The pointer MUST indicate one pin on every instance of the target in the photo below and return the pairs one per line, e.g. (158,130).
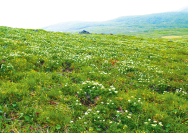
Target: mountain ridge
(185,9)
(127,24)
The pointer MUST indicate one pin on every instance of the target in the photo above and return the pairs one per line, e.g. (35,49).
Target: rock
(84,32)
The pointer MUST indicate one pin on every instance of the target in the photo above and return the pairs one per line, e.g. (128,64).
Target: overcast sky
(40,13)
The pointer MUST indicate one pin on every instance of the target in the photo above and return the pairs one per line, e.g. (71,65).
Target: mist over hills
(184,9)
(127,24)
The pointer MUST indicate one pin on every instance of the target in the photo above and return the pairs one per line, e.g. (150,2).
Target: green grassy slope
(128,24)
(63,82)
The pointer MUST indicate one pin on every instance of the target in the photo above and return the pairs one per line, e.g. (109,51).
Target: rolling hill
(184,10)
(131,25)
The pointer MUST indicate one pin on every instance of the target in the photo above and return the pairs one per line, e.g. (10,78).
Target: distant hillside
(128,24)
(184,10)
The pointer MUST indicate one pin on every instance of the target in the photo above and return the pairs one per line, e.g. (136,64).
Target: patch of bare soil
(169,37)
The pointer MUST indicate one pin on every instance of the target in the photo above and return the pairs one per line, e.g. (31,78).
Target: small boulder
(84,32)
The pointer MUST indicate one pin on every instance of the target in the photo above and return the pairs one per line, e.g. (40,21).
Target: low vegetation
(63,82)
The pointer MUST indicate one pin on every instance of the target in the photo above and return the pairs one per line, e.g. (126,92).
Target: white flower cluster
(77,103)
(87,112)
(94,83)
(154,123)
(139,100)
(102,72)
(129,116)
(165,92)
(112,89)
(6,67)
(181,91)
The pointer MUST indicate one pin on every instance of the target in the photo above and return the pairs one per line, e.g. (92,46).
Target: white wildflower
(89,109)
(154,125)
(155,121)
(160,123)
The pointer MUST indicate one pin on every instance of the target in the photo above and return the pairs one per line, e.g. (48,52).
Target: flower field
(79,83)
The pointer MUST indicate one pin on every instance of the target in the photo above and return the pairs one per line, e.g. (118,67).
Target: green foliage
(63,82)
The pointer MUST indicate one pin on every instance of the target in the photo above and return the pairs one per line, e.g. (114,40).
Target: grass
(63,82)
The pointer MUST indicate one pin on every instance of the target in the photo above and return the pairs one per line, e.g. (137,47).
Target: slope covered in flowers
(62,82)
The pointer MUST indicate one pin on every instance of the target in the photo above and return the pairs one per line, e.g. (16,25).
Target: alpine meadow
(93,83)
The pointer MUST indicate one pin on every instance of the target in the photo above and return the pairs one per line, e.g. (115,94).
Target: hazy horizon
(37,14)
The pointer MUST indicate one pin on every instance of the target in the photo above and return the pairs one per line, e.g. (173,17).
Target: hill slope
(127,24)
(184,10)
(63,82)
